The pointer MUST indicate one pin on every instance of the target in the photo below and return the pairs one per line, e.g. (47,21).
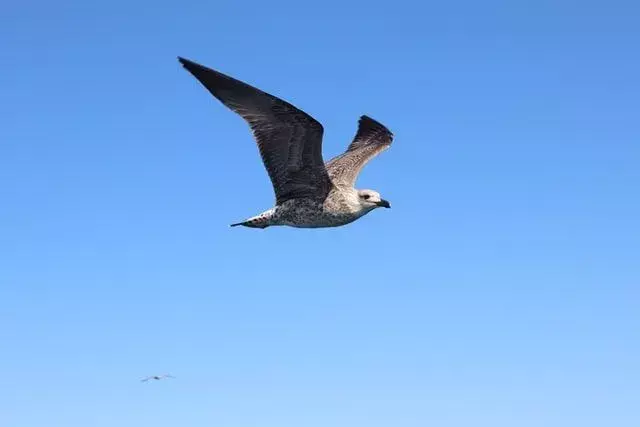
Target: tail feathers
(259,221)
(253,223)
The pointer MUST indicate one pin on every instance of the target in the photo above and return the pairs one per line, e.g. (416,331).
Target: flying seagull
(308,192)
(156,377)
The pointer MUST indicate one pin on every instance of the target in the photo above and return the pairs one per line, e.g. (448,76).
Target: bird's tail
(260,221)
(250,224)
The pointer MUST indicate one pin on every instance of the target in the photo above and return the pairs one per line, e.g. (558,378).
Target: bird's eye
(366,197)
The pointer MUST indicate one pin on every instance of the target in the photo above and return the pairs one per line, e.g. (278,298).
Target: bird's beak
(383,204)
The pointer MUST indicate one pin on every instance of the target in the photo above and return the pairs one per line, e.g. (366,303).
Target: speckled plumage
(309,193)
(333,211)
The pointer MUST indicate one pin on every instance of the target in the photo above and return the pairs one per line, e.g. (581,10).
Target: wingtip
(366,118)
(197,69)
(368,123)
(189,64)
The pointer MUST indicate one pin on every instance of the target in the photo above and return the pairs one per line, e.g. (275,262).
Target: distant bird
(156,377)
(309,193)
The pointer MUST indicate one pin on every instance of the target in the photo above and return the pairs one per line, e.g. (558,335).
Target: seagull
(156,377)
(308,192)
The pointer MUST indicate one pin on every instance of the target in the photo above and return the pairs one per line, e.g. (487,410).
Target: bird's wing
(289,140)
(371,139)
(145,379)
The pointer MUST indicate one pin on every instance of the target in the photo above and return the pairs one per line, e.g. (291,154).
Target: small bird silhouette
(157,377)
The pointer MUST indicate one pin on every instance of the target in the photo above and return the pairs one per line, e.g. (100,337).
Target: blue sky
(500,290)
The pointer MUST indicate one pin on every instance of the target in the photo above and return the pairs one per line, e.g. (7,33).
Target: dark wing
(290,141)
(371,139)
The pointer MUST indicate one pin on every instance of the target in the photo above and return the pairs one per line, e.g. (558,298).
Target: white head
(370,200)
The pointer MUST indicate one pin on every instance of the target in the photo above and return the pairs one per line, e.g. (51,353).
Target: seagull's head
(370,199)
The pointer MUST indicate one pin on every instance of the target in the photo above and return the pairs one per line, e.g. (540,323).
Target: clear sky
(500,290)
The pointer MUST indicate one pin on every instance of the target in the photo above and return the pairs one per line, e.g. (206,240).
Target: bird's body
(309,193)
(340,207)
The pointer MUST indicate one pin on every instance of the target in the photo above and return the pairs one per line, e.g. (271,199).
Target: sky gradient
(500,290)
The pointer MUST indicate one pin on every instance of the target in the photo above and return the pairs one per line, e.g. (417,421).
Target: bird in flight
(156,377)
(308,192)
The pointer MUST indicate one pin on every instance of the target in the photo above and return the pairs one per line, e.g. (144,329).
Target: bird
(309,193)
(156,377)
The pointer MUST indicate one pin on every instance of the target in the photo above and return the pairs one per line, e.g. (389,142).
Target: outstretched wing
(289,140)
(371,139)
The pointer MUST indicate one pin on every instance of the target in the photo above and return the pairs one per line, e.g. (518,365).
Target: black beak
(383,204)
